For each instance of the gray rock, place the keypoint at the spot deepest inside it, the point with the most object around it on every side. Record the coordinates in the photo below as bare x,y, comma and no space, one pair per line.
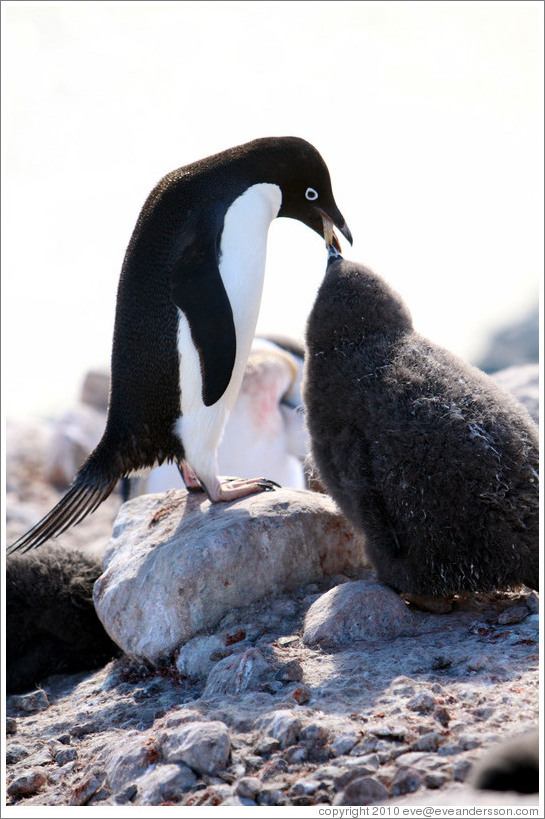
11,725
290,672
272,796
283,725
206,559
248,787
304,787
363,791
302,694
515,614
163,783
532,602
361,610
31,703
85,790
429,742
26,785
315,734
194,657
461,769
237,673
344,743
424,703
203,746
432,781
15,753
128,761
406,780
64,755
355,769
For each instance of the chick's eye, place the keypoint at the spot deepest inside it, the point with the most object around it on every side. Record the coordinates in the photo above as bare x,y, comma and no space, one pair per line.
311,194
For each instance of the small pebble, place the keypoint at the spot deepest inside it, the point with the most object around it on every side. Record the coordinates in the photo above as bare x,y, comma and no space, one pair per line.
315,734
432,781
364,791
295,754
516,614
302,694
460,770
344,743
82,793
442,715
272,796
290,672
11,725
406,780
424,703
126,795
427,742
288,641
248,787
304,787
267,746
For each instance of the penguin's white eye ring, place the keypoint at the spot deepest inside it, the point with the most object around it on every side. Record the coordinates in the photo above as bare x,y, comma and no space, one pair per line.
311,194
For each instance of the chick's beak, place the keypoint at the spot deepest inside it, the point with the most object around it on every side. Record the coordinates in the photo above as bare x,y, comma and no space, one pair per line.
329,230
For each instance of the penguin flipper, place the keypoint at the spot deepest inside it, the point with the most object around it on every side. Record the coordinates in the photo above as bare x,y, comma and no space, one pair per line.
197,289
83,497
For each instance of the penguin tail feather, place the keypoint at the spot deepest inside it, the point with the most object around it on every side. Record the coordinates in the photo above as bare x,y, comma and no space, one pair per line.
84,496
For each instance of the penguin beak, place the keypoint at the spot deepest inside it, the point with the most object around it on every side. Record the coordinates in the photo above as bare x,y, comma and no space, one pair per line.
329,232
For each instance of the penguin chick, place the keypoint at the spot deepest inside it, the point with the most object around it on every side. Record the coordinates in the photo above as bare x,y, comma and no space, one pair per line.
510,766
432,460
187,306
51,622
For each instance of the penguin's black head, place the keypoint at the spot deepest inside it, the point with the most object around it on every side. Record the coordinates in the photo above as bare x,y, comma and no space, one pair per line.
306,191
303,177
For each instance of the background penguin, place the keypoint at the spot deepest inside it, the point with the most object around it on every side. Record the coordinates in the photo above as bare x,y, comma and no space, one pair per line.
265,432
509,766
51,622
424,453
187,306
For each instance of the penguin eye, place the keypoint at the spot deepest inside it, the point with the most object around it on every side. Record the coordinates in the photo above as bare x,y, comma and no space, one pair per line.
311,194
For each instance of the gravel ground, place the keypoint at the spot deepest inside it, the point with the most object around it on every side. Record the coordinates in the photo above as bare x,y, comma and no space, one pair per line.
398,720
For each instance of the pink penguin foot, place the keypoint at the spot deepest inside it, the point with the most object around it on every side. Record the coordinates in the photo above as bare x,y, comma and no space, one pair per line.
236,488
192,483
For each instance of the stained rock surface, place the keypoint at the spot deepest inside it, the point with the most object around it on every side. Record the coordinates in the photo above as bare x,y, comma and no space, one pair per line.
410,714
176,564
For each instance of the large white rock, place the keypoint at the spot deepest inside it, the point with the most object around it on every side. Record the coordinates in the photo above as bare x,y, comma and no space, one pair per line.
176,564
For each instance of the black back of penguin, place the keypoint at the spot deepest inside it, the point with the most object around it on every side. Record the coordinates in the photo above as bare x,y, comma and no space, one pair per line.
424,453
171,265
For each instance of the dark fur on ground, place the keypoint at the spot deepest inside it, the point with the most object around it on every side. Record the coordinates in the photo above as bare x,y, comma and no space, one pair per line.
431,459
51,623
512,766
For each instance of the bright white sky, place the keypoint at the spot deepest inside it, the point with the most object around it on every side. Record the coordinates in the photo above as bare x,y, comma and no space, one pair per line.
429,115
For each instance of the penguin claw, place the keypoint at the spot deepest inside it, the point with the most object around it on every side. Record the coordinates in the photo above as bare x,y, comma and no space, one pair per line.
268,485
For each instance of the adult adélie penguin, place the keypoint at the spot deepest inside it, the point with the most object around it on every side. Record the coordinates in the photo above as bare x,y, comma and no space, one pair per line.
187,306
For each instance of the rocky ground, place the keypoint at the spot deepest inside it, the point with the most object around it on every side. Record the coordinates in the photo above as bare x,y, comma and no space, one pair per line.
255,715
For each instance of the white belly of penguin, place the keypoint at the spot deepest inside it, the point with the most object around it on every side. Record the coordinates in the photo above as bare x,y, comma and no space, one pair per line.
242,267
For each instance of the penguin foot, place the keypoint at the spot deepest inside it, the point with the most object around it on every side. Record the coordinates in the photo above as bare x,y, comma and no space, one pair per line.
236,488
435,605
192,483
